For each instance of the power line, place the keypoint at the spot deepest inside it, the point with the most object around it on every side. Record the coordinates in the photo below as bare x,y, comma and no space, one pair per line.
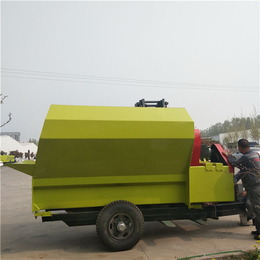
43,73
52,76
136,85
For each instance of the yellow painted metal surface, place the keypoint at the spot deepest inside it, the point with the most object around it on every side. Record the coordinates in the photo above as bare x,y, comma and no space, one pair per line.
84,122
211,183
91,156
92,196
7,158
25,167
42,214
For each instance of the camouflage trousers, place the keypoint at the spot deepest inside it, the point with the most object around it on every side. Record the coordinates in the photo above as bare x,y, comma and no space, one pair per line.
254,197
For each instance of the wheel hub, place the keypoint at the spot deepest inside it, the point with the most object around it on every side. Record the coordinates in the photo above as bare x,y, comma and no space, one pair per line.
121,226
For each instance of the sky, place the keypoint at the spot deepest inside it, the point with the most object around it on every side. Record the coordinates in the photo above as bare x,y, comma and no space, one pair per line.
203,56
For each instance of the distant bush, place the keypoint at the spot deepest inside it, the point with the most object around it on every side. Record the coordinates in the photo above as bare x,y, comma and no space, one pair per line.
16,154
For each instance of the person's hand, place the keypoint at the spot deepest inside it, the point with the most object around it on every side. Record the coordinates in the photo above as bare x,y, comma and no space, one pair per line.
243,194
225,153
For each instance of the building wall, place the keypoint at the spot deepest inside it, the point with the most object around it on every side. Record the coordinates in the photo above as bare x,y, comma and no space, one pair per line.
15,135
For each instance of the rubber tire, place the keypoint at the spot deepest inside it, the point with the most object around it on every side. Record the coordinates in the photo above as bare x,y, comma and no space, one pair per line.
103,221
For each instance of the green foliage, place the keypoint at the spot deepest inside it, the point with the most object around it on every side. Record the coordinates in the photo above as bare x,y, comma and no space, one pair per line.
31,140
236,124
253,254
255,126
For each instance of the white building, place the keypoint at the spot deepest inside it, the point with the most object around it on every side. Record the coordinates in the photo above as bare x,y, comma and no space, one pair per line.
9,144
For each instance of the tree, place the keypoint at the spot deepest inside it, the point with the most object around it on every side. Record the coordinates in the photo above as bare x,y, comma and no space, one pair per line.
31,155
16,154
226,141
248,122
226,126
9,115
230,139
236,128
31,140
255,126
243,129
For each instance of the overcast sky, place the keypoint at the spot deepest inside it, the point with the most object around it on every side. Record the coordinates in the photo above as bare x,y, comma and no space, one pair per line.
203,56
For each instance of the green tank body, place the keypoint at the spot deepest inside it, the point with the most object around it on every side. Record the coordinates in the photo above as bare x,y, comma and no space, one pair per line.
89,156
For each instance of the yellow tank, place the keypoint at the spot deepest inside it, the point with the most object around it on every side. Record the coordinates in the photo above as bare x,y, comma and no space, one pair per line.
89,156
